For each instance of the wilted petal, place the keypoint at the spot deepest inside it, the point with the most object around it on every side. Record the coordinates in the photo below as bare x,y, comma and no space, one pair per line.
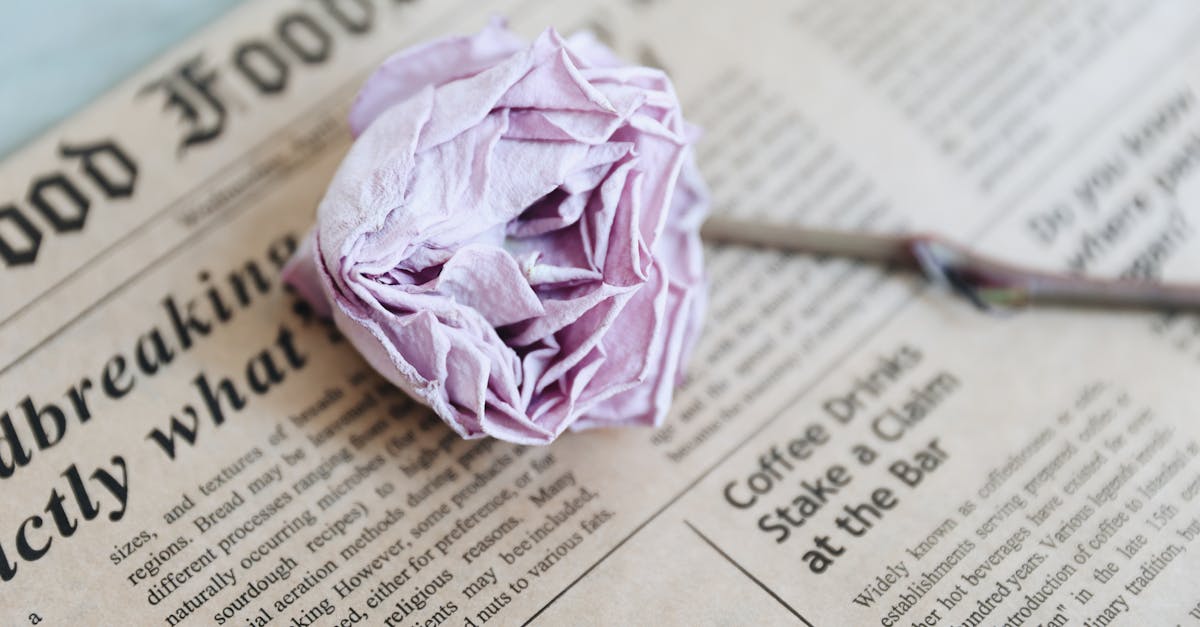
430,65
489,281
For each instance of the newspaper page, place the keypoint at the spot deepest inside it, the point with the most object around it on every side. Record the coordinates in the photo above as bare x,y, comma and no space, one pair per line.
183,442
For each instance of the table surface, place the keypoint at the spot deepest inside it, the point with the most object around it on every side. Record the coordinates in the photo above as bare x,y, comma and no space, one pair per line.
56,56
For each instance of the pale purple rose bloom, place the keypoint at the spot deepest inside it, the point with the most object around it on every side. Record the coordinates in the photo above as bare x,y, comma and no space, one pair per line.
513,238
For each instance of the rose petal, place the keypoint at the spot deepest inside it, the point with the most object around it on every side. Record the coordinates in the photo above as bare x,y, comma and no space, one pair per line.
489,281
433,64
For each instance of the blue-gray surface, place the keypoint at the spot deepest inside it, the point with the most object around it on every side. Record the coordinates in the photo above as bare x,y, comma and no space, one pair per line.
58,55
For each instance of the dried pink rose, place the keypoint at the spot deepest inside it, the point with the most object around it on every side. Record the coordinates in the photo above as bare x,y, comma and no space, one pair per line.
513,238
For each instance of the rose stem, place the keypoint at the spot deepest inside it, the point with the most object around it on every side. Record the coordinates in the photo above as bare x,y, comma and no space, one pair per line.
986,282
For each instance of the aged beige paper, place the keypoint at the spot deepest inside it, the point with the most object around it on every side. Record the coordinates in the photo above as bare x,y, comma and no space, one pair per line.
182,442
